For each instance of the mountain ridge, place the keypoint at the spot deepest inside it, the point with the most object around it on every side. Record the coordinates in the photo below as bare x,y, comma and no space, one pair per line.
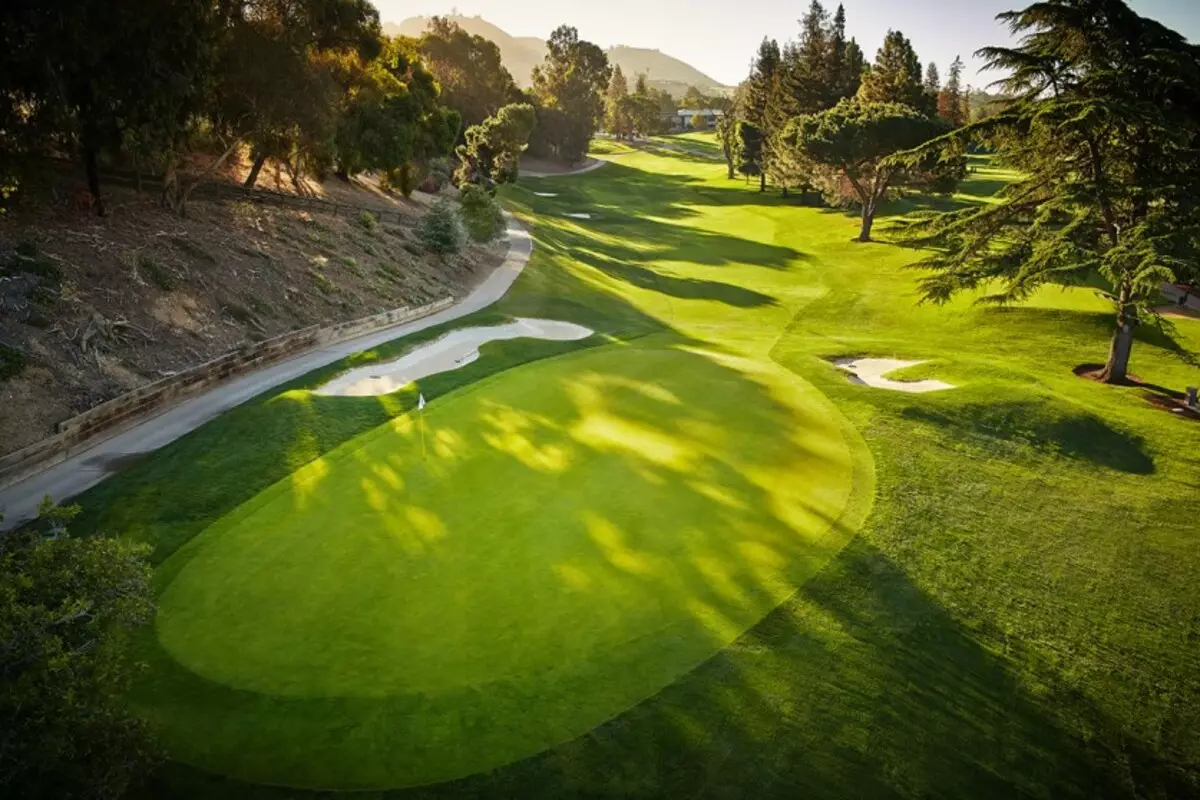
520,54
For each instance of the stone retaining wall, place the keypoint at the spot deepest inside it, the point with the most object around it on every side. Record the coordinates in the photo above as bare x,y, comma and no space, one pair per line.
110,418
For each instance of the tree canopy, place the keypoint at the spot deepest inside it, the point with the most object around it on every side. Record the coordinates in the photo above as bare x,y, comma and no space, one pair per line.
492,152
896,76
848,146
66,606
310,82
468,68
1104,133
569,86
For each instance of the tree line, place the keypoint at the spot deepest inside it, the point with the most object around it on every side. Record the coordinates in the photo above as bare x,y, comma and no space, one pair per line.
151,84
1098,115
814,116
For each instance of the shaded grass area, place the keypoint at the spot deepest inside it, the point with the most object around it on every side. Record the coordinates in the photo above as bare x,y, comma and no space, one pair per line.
1017,617
530,601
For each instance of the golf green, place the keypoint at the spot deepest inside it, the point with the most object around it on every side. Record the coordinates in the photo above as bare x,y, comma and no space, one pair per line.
577,534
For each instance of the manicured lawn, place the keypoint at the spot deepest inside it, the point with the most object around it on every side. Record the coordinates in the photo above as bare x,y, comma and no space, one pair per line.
1017,615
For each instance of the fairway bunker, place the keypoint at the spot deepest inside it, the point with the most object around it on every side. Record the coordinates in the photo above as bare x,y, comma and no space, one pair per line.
546,194
452,351
871,372
578,215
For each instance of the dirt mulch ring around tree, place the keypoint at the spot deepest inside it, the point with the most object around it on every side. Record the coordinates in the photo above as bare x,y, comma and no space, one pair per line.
1168,400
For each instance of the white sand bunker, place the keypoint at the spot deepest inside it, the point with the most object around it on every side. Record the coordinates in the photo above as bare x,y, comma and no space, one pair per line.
870,372
578,215
546,194
454,350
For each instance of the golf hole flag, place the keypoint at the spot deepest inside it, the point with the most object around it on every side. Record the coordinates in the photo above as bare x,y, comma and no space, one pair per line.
420,401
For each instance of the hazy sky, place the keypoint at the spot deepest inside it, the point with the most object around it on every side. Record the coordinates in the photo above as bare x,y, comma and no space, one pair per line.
719,37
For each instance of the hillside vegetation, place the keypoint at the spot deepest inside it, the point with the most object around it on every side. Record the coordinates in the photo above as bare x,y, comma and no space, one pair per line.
101,306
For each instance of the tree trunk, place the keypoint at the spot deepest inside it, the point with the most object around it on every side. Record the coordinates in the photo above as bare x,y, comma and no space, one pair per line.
252,178
785,190
762,182
93,179
868,219
1117,368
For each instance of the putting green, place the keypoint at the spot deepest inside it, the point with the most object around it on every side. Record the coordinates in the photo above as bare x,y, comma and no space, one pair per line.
581,531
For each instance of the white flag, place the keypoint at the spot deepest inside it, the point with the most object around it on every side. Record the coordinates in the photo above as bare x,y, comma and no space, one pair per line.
420,401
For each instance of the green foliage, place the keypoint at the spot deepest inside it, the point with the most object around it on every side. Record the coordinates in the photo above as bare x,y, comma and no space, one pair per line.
569,87
323,283
91,78
368,220
66,606
393,116
749,149
12,361
468,69
647,108
952,104
848,148
157,273
1109,178
441,172
492,153
618,107
896,77
440,230
481,214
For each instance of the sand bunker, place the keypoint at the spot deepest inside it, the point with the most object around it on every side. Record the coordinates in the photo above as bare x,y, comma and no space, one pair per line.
578,215
870,372
546,194
454,350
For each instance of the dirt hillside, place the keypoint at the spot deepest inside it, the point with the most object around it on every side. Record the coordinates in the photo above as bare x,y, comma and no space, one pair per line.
93,307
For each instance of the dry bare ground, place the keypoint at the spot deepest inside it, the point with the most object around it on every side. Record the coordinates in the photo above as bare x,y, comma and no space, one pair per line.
93,307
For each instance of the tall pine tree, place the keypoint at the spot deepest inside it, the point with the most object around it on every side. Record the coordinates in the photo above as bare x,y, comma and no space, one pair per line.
896,76
951,100
762,89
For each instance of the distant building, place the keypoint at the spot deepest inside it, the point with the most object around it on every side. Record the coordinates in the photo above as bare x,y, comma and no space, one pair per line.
682,120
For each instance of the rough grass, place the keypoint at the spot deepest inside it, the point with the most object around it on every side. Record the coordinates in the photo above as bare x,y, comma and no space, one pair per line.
1018,615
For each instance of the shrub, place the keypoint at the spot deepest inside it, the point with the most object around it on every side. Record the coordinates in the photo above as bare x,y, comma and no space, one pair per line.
67,606
158,274
481,214
368,220
439,173
12,361
440,230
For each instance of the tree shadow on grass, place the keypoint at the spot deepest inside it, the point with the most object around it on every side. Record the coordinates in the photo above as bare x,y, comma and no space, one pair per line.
861,685
632,239
696,550
682,288
1046,427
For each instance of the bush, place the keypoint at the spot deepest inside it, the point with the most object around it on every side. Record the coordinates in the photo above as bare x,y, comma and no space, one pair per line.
12,361
368,220
67,606
440,230
440,172
481,214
